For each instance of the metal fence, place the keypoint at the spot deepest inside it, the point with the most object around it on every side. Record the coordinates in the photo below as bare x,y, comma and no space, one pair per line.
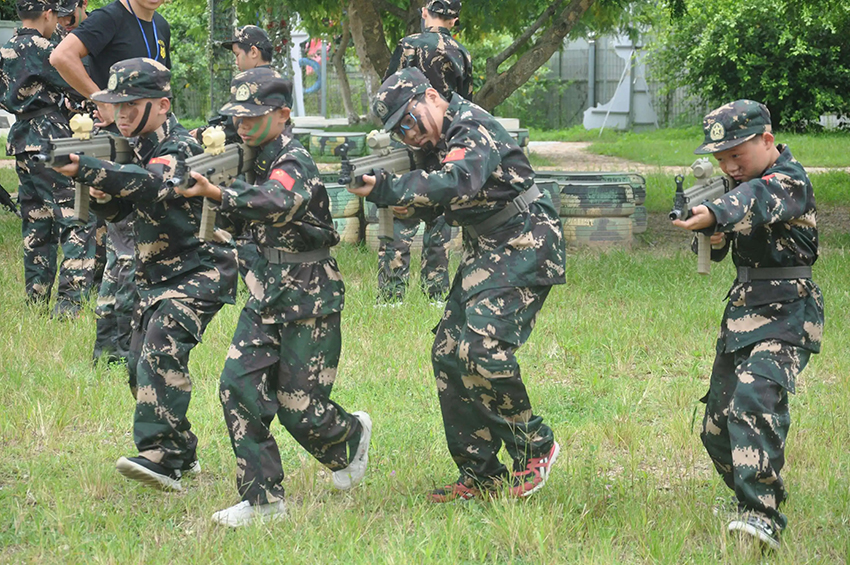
583,74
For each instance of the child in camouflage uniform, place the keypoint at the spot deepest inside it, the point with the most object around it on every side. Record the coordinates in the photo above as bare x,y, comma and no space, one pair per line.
448,67
31,89
774,318
513,254
284,355
182,282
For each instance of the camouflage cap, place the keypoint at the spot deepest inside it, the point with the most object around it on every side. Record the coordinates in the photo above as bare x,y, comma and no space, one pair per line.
257,92
446,8
732,124
249,35
133,79
66,7
396,93
36,5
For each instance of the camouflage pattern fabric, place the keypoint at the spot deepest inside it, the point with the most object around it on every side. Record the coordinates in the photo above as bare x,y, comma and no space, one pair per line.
445,62
285,351
732,124
286,370
182,282
482,396
747,420
47,225
771,222
394,259
118,296
28,83
768,331
482,170
501,284
287,209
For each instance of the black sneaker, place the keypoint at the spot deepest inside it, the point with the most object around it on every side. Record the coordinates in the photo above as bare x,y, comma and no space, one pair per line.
756,527
149,473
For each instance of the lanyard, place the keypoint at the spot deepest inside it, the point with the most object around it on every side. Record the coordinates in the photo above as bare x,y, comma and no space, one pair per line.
145,37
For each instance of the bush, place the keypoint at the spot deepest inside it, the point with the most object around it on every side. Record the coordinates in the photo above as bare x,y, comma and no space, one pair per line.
791,55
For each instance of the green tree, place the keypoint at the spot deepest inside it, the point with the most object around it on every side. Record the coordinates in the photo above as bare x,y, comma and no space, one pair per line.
792,55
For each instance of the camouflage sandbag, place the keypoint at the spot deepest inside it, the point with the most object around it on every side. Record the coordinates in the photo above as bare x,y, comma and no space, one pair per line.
343,204
639,219
598,232
327,143
349,230
596,199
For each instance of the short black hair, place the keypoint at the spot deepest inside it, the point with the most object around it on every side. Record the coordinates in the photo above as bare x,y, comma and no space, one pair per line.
265,52
31,14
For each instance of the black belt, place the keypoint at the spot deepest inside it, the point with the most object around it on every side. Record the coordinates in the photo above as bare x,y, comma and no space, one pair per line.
516,206
277,256
747,274
35,113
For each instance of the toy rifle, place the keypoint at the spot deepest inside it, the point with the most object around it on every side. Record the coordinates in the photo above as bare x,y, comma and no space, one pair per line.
221,164
7,202
706,189
102,146
395,161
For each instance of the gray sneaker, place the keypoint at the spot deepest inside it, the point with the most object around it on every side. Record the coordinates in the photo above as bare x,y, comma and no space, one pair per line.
348,478
756,527
243,514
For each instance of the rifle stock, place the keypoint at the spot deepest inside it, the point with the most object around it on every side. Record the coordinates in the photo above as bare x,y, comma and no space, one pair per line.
7,202
394,161
706,189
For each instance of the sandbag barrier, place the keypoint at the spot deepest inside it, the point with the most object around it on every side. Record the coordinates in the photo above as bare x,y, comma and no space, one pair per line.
599,209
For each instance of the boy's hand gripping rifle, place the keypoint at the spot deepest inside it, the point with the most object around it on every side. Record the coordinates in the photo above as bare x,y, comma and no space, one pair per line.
394,161
706,189
221,164
104,146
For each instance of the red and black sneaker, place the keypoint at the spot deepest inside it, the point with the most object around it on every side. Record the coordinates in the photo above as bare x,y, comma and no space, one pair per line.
535,474
460,490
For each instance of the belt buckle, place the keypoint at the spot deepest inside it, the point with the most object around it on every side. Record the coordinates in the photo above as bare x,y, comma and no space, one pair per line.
521,204
743,274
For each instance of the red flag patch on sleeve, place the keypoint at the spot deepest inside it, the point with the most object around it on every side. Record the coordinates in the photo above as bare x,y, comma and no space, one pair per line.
455,154
283,178
160,161
768,177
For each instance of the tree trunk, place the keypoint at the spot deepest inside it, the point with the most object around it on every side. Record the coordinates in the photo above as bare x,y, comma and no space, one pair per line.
499,86
414,17
339,65
367,30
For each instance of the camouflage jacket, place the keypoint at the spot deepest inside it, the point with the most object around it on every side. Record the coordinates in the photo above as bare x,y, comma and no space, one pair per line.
286,209
483,169
771,222
171,262
29,83
443,60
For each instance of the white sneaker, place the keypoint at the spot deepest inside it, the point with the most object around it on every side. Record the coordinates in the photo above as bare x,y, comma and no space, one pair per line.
349,477
243,513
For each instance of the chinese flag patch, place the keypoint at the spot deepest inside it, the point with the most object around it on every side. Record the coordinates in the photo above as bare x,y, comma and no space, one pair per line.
768,177
455,154
283,178
160,161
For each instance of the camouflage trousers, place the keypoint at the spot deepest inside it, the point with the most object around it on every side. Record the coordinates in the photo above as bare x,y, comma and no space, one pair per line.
286,370
747,420
394,259
118,296
48,224
482,396
159,375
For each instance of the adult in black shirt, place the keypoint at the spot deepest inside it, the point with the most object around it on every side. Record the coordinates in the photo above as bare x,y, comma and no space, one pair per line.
121,30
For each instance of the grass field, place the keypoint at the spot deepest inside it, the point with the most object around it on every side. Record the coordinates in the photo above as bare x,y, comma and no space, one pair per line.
618,359
675,146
